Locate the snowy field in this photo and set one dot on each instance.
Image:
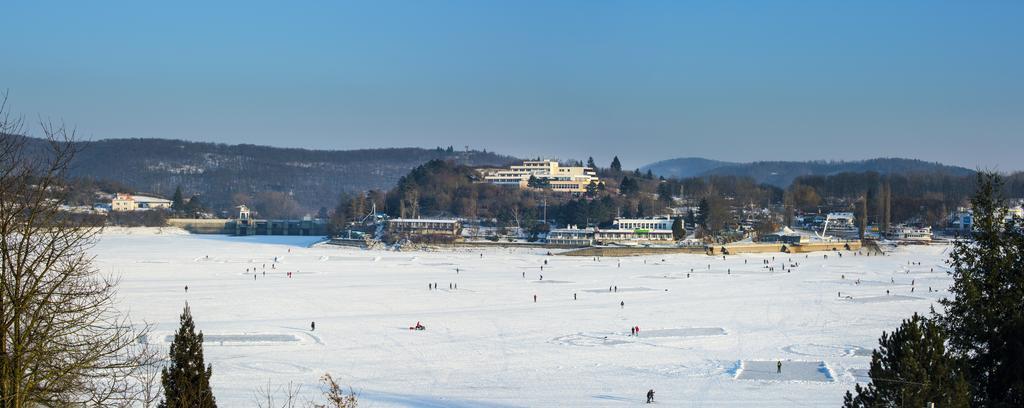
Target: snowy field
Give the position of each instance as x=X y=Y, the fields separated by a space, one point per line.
x=710 y=339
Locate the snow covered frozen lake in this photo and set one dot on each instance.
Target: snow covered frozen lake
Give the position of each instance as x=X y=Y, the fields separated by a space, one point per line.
x=712 y=339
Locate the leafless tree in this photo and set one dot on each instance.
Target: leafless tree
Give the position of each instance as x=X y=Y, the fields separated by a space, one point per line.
x=148 y=380
x=62 y=342
x=336 y=397
x=277 y=396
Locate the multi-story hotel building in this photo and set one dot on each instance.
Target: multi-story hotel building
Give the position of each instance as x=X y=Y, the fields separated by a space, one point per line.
x=570 y=179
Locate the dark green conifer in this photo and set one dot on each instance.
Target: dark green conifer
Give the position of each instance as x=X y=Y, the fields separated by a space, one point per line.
x=178 y=201
x=186 y=380
x=910 y=368
x=616 y=165
x=678 y=232
x=984 y=315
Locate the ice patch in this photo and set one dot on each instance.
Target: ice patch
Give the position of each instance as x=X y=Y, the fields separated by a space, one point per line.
x=882 y=299
x=860 y=375
x=791 y=371
x=683 y=332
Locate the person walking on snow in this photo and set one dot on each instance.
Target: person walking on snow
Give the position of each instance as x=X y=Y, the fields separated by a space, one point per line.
x=534 y=298
x=778 y=367
x=650 y=396
x=622 y=304
x=312 y=326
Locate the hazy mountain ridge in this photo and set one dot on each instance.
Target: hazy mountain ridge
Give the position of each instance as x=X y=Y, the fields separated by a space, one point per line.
x=314 y=178
x=782 y=173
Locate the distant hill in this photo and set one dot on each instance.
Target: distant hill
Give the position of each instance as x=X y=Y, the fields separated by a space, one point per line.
x=314 y=178
x=684 y=167
x=782 y=173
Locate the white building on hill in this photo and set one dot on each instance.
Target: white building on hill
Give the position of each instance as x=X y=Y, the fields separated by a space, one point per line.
x=570 y=179
x=128 y=202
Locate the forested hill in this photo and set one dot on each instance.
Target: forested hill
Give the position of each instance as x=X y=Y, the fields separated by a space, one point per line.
x=782 y=173
x=313 y=178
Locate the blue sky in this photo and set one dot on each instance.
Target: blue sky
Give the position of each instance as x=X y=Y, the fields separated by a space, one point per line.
x=772 y=80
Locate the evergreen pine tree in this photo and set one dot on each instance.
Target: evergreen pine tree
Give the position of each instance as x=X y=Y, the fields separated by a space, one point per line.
x=690 y=218
x=616 y=165
x=186 y=382
x=911 y=368
x=863 y=225
x=984 y=316
x=665 y=193
x=591 y=189
x=703 y=210
x=678 y=232
x=535 y=182
x=178 y=201
x=591 y=164
x=628 y=186
x=888 y=208
x=194 y=205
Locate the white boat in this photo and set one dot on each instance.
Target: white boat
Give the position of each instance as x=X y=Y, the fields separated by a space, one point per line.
x=905 y=233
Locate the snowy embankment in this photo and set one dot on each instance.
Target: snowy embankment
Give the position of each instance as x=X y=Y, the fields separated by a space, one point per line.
x=712 y=330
